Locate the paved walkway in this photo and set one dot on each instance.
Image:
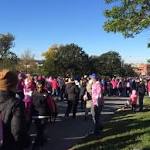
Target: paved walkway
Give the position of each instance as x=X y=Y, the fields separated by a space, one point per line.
x=67 y=132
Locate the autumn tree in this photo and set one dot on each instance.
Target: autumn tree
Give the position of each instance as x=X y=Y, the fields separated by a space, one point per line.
x=27 y=62
x=50 y=55
x=8 y=59
x=128 y=17
x=66 y=59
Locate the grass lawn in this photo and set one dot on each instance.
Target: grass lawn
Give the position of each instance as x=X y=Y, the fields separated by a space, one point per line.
x=125 y=131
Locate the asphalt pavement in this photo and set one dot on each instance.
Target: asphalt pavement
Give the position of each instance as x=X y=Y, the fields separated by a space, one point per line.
x=67 y=132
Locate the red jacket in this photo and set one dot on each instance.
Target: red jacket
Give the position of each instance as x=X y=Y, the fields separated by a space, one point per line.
x=54 y=84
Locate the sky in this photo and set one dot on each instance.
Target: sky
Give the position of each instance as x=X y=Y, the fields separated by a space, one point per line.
x=39 y=24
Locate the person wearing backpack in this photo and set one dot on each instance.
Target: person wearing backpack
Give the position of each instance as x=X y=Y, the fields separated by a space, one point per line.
x=13 y=123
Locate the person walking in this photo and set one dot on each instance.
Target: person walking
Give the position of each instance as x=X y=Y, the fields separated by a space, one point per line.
x=12 y=112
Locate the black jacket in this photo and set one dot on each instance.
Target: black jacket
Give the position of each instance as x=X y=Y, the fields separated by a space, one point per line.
x=141 y=89
x=39 y=103
x=14 y=123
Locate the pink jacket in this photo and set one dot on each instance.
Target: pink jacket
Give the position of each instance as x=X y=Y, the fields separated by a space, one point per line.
x=133 y=97
x=148 y=86
x=114 y=83
x=54 y=84
x=96 y=93
x=28 y=87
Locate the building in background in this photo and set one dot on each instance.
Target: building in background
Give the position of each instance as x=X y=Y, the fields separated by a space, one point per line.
x=142 y=69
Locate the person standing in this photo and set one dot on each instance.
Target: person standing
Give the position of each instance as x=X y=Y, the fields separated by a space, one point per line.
x=88 y=96
x=83 y=84
x=133 y=100
x=55 y=86
x=40 y=108
x=12 y=112
x=141 y=93
x=148 y=87
x=97 y=103
x=72 y=92
x=61 y=84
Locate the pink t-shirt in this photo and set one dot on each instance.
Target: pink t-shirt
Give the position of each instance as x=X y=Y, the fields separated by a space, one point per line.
x=114 y=83
x=133 y=97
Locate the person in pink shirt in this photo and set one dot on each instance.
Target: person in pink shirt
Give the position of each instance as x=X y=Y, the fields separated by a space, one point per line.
x=29 y=87
x=55 y=86
x=97 y=103
x=114 y=83
x=148 y=87
x=133 y=100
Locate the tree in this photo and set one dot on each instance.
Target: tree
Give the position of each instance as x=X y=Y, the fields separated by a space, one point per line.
x=128 y=17
x=128 y=71
x=50 y=55
x=93 y=64
x=8 y=59
x=66 y=59
x=148 y=61
x=108 y=64
x=27 y=62
x=71 y=59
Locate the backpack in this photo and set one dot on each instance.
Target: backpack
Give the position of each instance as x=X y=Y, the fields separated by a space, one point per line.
x=6 y=115
x=10 y=106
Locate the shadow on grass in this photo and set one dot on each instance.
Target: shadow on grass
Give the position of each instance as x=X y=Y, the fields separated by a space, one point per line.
x=146 y=148
x=116 y=143
x=123 y=130
x=125 y=124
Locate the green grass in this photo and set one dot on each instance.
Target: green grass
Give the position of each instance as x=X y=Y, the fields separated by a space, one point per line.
x=125 y=131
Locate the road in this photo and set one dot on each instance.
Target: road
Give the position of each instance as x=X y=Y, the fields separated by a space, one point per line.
x=67 y=132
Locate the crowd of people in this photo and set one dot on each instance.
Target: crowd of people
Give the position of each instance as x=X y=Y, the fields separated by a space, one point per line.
x=23 y=96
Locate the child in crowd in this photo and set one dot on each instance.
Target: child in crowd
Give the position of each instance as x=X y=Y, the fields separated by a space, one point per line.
x=133 y=100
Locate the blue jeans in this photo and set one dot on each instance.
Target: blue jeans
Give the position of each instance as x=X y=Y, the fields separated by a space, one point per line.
x=96 y=112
